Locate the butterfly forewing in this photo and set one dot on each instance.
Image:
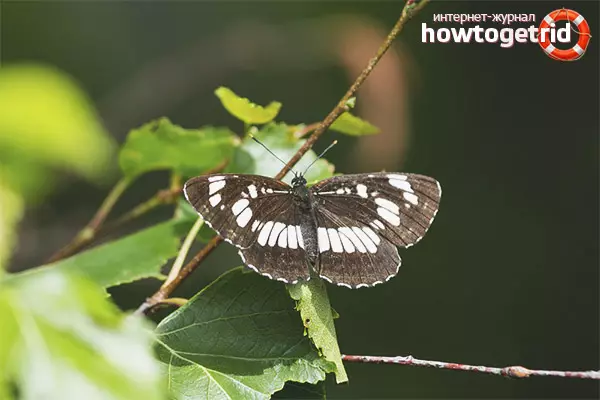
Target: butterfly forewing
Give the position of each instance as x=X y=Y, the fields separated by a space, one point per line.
x=257 y=215
x=234 y=205
x=398 y=207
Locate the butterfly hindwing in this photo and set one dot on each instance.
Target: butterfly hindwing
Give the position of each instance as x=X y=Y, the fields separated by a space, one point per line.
x=279 y=250
x=351 y=254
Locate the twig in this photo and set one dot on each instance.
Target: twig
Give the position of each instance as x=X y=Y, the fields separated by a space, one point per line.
x=87 y=234
x=306 y=129
x=407 y=12
x=164 y=196
x=512 y=372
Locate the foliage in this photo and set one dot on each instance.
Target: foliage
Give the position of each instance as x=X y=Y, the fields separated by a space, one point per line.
x=61 y=338
x=252 y=341
x=243 y=336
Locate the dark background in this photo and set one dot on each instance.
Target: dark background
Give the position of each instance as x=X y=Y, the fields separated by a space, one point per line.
x=508 y=274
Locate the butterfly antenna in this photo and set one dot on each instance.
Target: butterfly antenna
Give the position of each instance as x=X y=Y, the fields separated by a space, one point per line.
x=321 y=155
x=267 y=149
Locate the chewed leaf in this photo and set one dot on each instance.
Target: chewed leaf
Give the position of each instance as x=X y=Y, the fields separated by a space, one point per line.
x=238 y=338
x=317 y=316
x=245 y=110
x=352 y=125
x=163 y=145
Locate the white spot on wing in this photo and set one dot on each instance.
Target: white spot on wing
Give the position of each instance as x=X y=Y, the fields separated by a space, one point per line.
x=403 y=185
x=299 y=235
x=372 y=235
x=397 y=176
x=214 y=200
x=244 y=217
x=371 y=247
x=348 y=246
x=387 y=204
x=379 y=224
x=361 y=190
x=215 y=178
x=269 y=190
x=214 y=187
x=292 y=240
x=252 y=191
x=388 y=216
x=255 y=225
x=282 y=241
x=340 y=191
x=353 y=238
x=263 y=236
x=277 y=228
x=239 y=205
x=323 y=240
x=411 y=198
x=334 y=239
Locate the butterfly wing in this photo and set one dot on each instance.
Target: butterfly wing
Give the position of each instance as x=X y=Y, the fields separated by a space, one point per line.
x=362 y=218
x=257 y=215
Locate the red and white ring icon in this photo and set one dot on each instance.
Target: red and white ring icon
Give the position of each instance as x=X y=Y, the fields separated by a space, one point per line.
x=583 y=29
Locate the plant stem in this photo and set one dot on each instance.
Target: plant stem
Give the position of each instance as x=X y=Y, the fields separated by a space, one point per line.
x=512 y=372
x=87 y=234
x=407 y=12
x=185 y=248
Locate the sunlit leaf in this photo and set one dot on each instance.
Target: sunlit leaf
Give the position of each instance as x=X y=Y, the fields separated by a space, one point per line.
x=252 y=158
x=240 y=337
x=245 y=110
x=47 y=119
x=316 y=313
x=161 y=145
x=139 y=255
x=11 y=210
x=352 y=125
x=62 y=339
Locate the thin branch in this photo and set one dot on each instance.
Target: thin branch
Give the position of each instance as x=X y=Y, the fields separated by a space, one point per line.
x=162 y=197
x=88 y=233
x=512 y=372
x=408 y=11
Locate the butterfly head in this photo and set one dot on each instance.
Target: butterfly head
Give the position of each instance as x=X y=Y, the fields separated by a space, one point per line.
x=298 y=181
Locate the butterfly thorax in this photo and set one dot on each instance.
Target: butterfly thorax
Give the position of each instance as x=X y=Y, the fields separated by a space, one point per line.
x=308 y=223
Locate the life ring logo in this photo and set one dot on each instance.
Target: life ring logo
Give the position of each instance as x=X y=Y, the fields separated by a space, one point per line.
x=547 y=31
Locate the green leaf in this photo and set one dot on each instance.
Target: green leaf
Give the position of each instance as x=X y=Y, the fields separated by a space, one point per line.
x=240 y=337
x=62 y=339
x=316 y=313
x=252 y=158
x=46 y=119
x=139 y=255
x=163 y=145
x=352 y=125
x=11 y=205
x=245 y=110
x=185 y=210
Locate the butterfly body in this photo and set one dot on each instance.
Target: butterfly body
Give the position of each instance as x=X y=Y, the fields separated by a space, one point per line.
x=346 y=228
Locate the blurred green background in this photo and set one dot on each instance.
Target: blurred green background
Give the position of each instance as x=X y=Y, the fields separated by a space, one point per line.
x=508 y=274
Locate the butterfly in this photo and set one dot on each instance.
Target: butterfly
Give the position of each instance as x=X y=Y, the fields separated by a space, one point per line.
x=346 y=228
